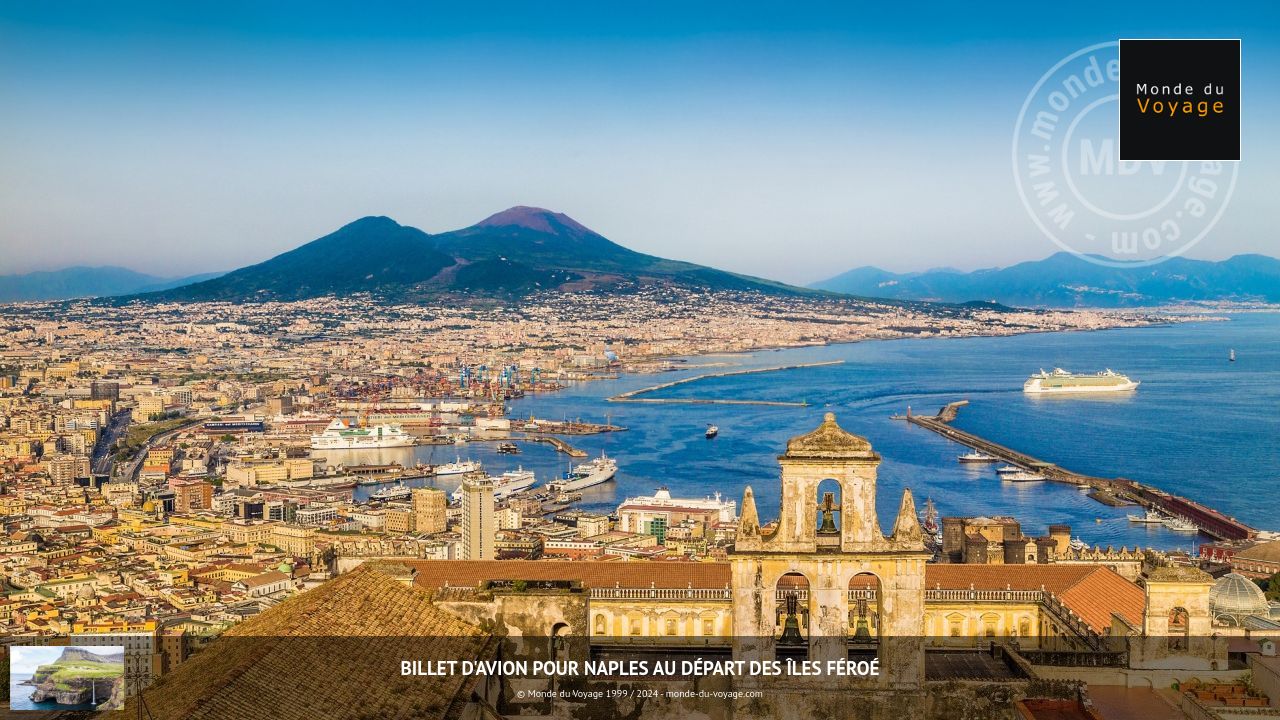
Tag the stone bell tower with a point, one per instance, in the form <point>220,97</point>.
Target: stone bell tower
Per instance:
<point>845,565</point>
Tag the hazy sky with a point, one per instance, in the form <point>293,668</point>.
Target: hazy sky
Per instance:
<point>786,140</point>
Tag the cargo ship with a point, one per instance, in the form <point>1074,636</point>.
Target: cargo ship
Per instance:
<point>588,474</point>
<point>1061,381</point>
<point>341,435</point>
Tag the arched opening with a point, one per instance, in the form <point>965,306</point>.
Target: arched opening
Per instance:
<point>864,617</point>
<point>600,624</point>
<point>1179,629</point>
<point>559,640</point>
<point>791,616</point>
<point>828,501</point>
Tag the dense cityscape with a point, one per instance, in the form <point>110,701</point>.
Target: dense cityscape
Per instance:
<point>173,471</point>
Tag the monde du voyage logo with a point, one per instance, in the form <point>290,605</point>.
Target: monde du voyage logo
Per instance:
<point>1123,152</point>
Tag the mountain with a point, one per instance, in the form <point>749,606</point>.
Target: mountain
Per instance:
<point>372,253</point>
<point>78,282</point>
<point>511,253</point>
<point>1067,280</point>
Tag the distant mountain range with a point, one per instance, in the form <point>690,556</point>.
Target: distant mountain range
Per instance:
<point>512,253</point>
<point>1066,280</point>
<point>526,249</point>
<point>80,282</point>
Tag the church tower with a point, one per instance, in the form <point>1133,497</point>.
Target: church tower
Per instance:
<point>825,583</point>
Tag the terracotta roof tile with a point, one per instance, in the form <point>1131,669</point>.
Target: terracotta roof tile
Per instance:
<point>332,652</point>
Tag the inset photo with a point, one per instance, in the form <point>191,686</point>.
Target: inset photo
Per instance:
<point>62,678</point>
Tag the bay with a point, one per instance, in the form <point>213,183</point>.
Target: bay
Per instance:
<point>1198,425</point>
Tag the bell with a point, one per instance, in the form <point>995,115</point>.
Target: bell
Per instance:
<point>828,515</point>
<point>791,628</point>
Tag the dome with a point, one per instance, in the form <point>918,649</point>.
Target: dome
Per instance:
<point>1235,597</point>
<point>285,567</point>
<point>148,507</point>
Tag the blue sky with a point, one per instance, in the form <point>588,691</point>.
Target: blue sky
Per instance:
<point>790,141</point>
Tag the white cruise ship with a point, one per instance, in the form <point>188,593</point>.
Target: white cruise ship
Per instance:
<point>399,491</point>
<point>457,467</point>
<point>1061,381</point>
<point>634,512</point>
<point>341,435</point>
<point>506,484</point>
<point>588,474</point>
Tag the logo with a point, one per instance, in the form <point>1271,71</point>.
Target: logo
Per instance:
<point>1082,196</point>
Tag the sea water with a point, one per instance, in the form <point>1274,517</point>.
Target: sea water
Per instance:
<point>1199,425</point>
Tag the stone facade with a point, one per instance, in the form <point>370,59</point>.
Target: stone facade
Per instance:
<point>832,559</point>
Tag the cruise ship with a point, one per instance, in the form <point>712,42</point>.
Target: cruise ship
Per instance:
<point>506,484</point>
<point>1061,381</point>
<point>588,474</point>
<point>457,467</point>
<point>341,435</point>
<point>399,491</point>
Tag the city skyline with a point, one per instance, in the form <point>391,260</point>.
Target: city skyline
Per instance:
<point>175,142</point>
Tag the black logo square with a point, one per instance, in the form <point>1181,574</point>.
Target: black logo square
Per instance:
<point>1179,99</point>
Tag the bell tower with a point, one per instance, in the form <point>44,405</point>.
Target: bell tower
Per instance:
<point>831,568</point>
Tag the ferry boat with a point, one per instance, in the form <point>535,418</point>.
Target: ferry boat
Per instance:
<point>457,467</point>
<point>508,449</point>
<point>588,474</point>
<point>1022,476</point>
<point>1079,545</point>
<point>1180,525</point>
<point>1151,517</point>
<point>399,491</point>
<point>1008,469</point>
<point>340,435</point>
<point>712,431</point>
<point>977,457</point>
<point>1062,381</point>
<point>507,484</point>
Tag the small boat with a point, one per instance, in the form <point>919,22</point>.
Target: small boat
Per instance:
<point>509,449</point>
<point>977,457</point>
<point>712,431</point>
<point>1180,525</point>
<point>1008,469</point>
<point>1231,356</point>
<point>1150,516</point>
<point>1022,476</point>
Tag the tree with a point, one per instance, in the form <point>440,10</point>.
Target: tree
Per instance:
<point>1272,587</point>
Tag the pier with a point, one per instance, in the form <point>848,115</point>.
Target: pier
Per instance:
<point>1109,491</point>
<point>559,445</point>
<point>634,395</point>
